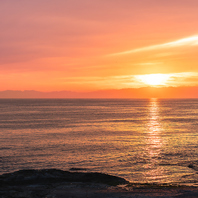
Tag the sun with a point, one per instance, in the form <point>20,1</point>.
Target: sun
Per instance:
<point>154,79</point>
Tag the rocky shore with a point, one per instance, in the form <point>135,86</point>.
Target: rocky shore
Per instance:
<point>54,183</point>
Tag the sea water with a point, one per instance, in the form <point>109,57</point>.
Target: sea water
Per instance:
<point>143,140</point>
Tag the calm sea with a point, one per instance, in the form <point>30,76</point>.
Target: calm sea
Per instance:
<point>150,140</point>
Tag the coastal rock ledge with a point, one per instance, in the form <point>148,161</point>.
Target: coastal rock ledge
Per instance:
<point>52,176</point>
<point>54,183</point>
<point>48,183</point>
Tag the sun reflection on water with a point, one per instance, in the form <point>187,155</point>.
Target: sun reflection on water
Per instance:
<point>154,144</point>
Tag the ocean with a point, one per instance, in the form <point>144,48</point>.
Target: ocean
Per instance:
<point>141,140</point>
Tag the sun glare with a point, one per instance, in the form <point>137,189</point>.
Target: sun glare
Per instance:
<point>154,79</point>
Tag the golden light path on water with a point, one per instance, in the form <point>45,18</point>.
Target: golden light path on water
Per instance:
<point>154,144</point>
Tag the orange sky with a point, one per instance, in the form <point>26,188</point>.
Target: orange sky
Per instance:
<point>86,45</point>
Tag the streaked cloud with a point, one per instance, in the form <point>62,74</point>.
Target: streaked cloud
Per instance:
<point>137,81</point>
<point>68,45</point>
<point>171,79</point>
<point>189,41</point>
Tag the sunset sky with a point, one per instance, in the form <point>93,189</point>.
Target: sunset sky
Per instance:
<point>90,45</point>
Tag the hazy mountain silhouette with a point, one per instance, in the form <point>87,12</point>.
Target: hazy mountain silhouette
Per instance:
<point>146,92</point>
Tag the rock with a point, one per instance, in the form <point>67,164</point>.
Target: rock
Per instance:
<point>54,183</point>
<point>77,169</point>
<point>51,176</point>
<point>190,166</point>
<point>193,166</point>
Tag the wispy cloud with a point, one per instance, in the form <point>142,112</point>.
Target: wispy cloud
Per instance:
<point>138,81</point>
<point>190,41</point>
<point>171,79</point>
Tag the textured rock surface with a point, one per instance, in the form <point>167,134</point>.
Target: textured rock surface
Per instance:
<point>48,176</point>
<point>53,183</point>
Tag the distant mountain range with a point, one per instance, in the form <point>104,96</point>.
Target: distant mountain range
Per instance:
<point>146,92</point>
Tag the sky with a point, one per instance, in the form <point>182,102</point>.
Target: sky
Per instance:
<point>86,45</point>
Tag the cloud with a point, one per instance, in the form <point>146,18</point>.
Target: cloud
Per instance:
<point>137,81</point>
<point>170,79</point>
<point>189,41</point>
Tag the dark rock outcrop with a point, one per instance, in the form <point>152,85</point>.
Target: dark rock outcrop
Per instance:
<point>48,176</point>
<point>54,183</point>
<point>193,166</point>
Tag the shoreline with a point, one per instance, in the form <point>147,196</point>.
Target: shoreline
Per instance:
<point>56,183</point>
